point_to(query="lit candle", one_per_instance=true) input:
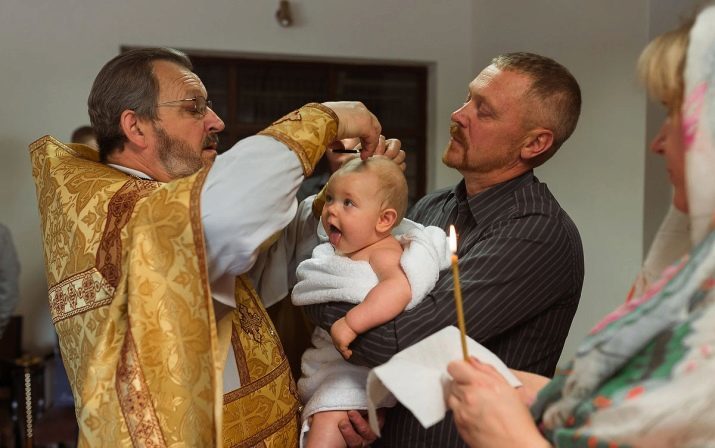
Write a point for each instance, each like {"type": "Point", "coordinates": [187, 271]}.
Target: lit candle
{"type": "Point", "coordinates": [458, 291]}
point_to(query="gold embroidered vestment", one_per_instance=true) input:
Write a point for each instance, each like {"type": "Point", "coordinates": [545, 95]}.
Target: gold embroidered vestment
{"type": "Point", "coordinates": [130, 300]}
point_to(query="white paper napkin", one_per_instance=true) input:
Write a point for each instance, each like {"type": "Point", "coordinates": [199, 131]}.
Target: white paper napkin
{"type": "Point", "coordinates": [418, 378]}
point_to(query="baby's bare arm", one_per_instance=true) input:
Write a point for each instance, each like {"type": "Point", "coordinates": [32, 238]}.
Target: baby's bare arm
{"type": "Point", "coordinates": [383, 303]}
{"type": "Point", "coordinates": [342, 336]}
{"type": "Point", "coordinates": [388, 298]}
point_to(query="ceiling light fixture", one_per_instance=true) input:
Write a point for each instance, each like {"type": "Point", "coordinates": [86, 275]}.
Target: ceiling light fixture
{"type": "Point", "coordinates": [283, 15]}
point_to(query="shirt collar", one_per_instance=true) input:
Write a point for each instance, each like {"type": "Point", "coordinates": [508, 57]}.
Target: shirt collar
{"type": "Point", "coordinates": [130, 171]}
{"type": "Point", "coordinates": [483, 203]}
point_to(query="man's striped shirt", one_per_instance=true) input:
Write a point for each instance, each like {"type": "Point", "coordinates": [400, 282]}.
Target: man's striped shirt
{"type": "Point", "coordinates": [521, 272]}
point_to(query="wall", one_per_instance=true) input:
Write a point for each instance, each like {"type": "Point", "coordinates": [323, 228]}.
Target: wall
{"type": "Point", "coordinates": [52, 50]}
{"type": "Point", "coordinates": [598, 174]}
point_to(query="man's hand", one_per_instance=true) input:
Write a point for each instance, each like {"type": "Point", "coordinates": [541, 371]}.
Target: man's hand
{"type": "Point", "coordinates": [390, 148]}
{"type": "Point", "coordinates": [356, 430]}
{"type": "Point", "coordinates": [342, 336]}
{"type": "Point", "coordinates": [354, 120]}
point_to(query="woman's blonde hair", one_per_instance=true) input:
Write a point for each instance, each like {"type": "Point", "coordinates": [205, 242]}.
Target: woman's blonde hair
{"type": "Point", "coordinates": [661, 65]}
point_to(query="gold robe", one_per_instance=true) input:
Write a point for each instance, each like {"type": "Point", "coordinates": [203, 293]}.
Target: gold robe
{"type": "Point", "coordinates": [130, 299]}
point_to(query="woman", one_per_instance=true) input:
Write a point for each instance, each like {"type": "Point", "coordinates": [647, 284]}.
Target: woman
{"type": "Point", "coordinates": [644, 376]}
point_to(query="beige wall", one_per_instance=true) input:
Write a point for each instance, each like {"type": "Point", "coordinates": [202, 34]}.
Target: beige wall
{"type": "Point", "coordinates": [52, 50]}
{"type": "Point", "coordinates": [598, 174]}
{"type": "Point", "coordinates": [613, 189]}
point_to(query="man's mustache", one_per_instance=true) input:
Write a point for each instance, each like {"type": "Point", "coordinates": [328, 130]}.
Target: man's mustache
{"type": "Point", "coordinates": [456, 132]}
{"type": "Point", "coordinates": [210, 140]}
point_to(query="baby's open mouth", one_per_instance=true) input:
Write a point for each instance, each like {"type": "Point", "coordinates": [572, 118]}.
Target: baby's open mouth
{"type": "Point", "coordinates": [334, 235]}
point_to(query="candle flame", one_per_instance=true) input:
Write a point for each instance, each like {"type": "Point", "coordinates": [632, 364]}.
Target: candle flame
{"type": "Point", "coordinates": [452, 239]}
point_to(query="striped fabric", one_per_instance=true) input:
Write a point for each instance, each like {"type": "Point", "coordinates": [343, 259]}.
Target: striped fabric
{"type": "Point", "coordinates": [521, 269]}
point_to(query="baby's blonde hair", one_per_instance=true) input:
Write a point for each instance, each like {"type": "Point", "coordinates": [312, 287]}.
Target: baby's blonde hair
{"type": "Point", "coordinates": [392, 182]}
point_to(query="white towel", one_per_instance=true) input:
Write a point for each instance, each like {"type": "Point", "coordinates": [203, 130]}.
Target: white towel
{"type": "Point", "coordinates": [328, 382]}
{"type": "Point", "coordinates": [329, 277]}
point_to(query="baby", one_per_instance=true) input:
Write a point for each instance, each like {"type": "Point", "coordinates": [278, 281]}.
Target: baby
{"type": "Point", "coordinates": [363, 263]}
{"type": "Point", "coordinates": [364, 201]}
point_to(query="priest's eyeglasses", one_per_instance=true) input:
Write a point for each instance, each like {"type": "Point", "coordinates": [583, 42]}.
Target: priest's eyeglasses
{"type": "Point", "coordinates": [199, 105]}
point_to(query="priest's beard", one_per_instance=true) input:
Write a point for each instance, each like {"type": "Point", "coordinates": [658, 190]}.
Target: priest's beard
{"type": "Point", "coordinates": [177, 157]}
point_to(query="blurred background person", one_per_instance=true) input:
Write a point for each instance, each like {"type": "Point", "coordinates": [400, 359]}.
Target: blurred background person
{"type": "Point", "coordinates": [333, 159]}
{"type": "Point", "coordinates": [9, 277]}
{"type": "Point", "coordinates": [86, 136]}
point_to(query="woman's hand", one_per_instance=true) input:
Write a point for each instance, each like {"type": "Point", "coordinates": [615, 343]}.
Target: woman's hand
{"type": "Point", "coordinates": [531, 385]}
{"type": "Point", "coordinates": [489, 412]}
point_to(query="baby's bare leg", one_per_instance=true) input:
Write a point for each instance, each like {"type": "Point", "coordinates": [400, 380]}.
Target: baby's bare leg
{"type": "Point", "coordinates": [324, 430]}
